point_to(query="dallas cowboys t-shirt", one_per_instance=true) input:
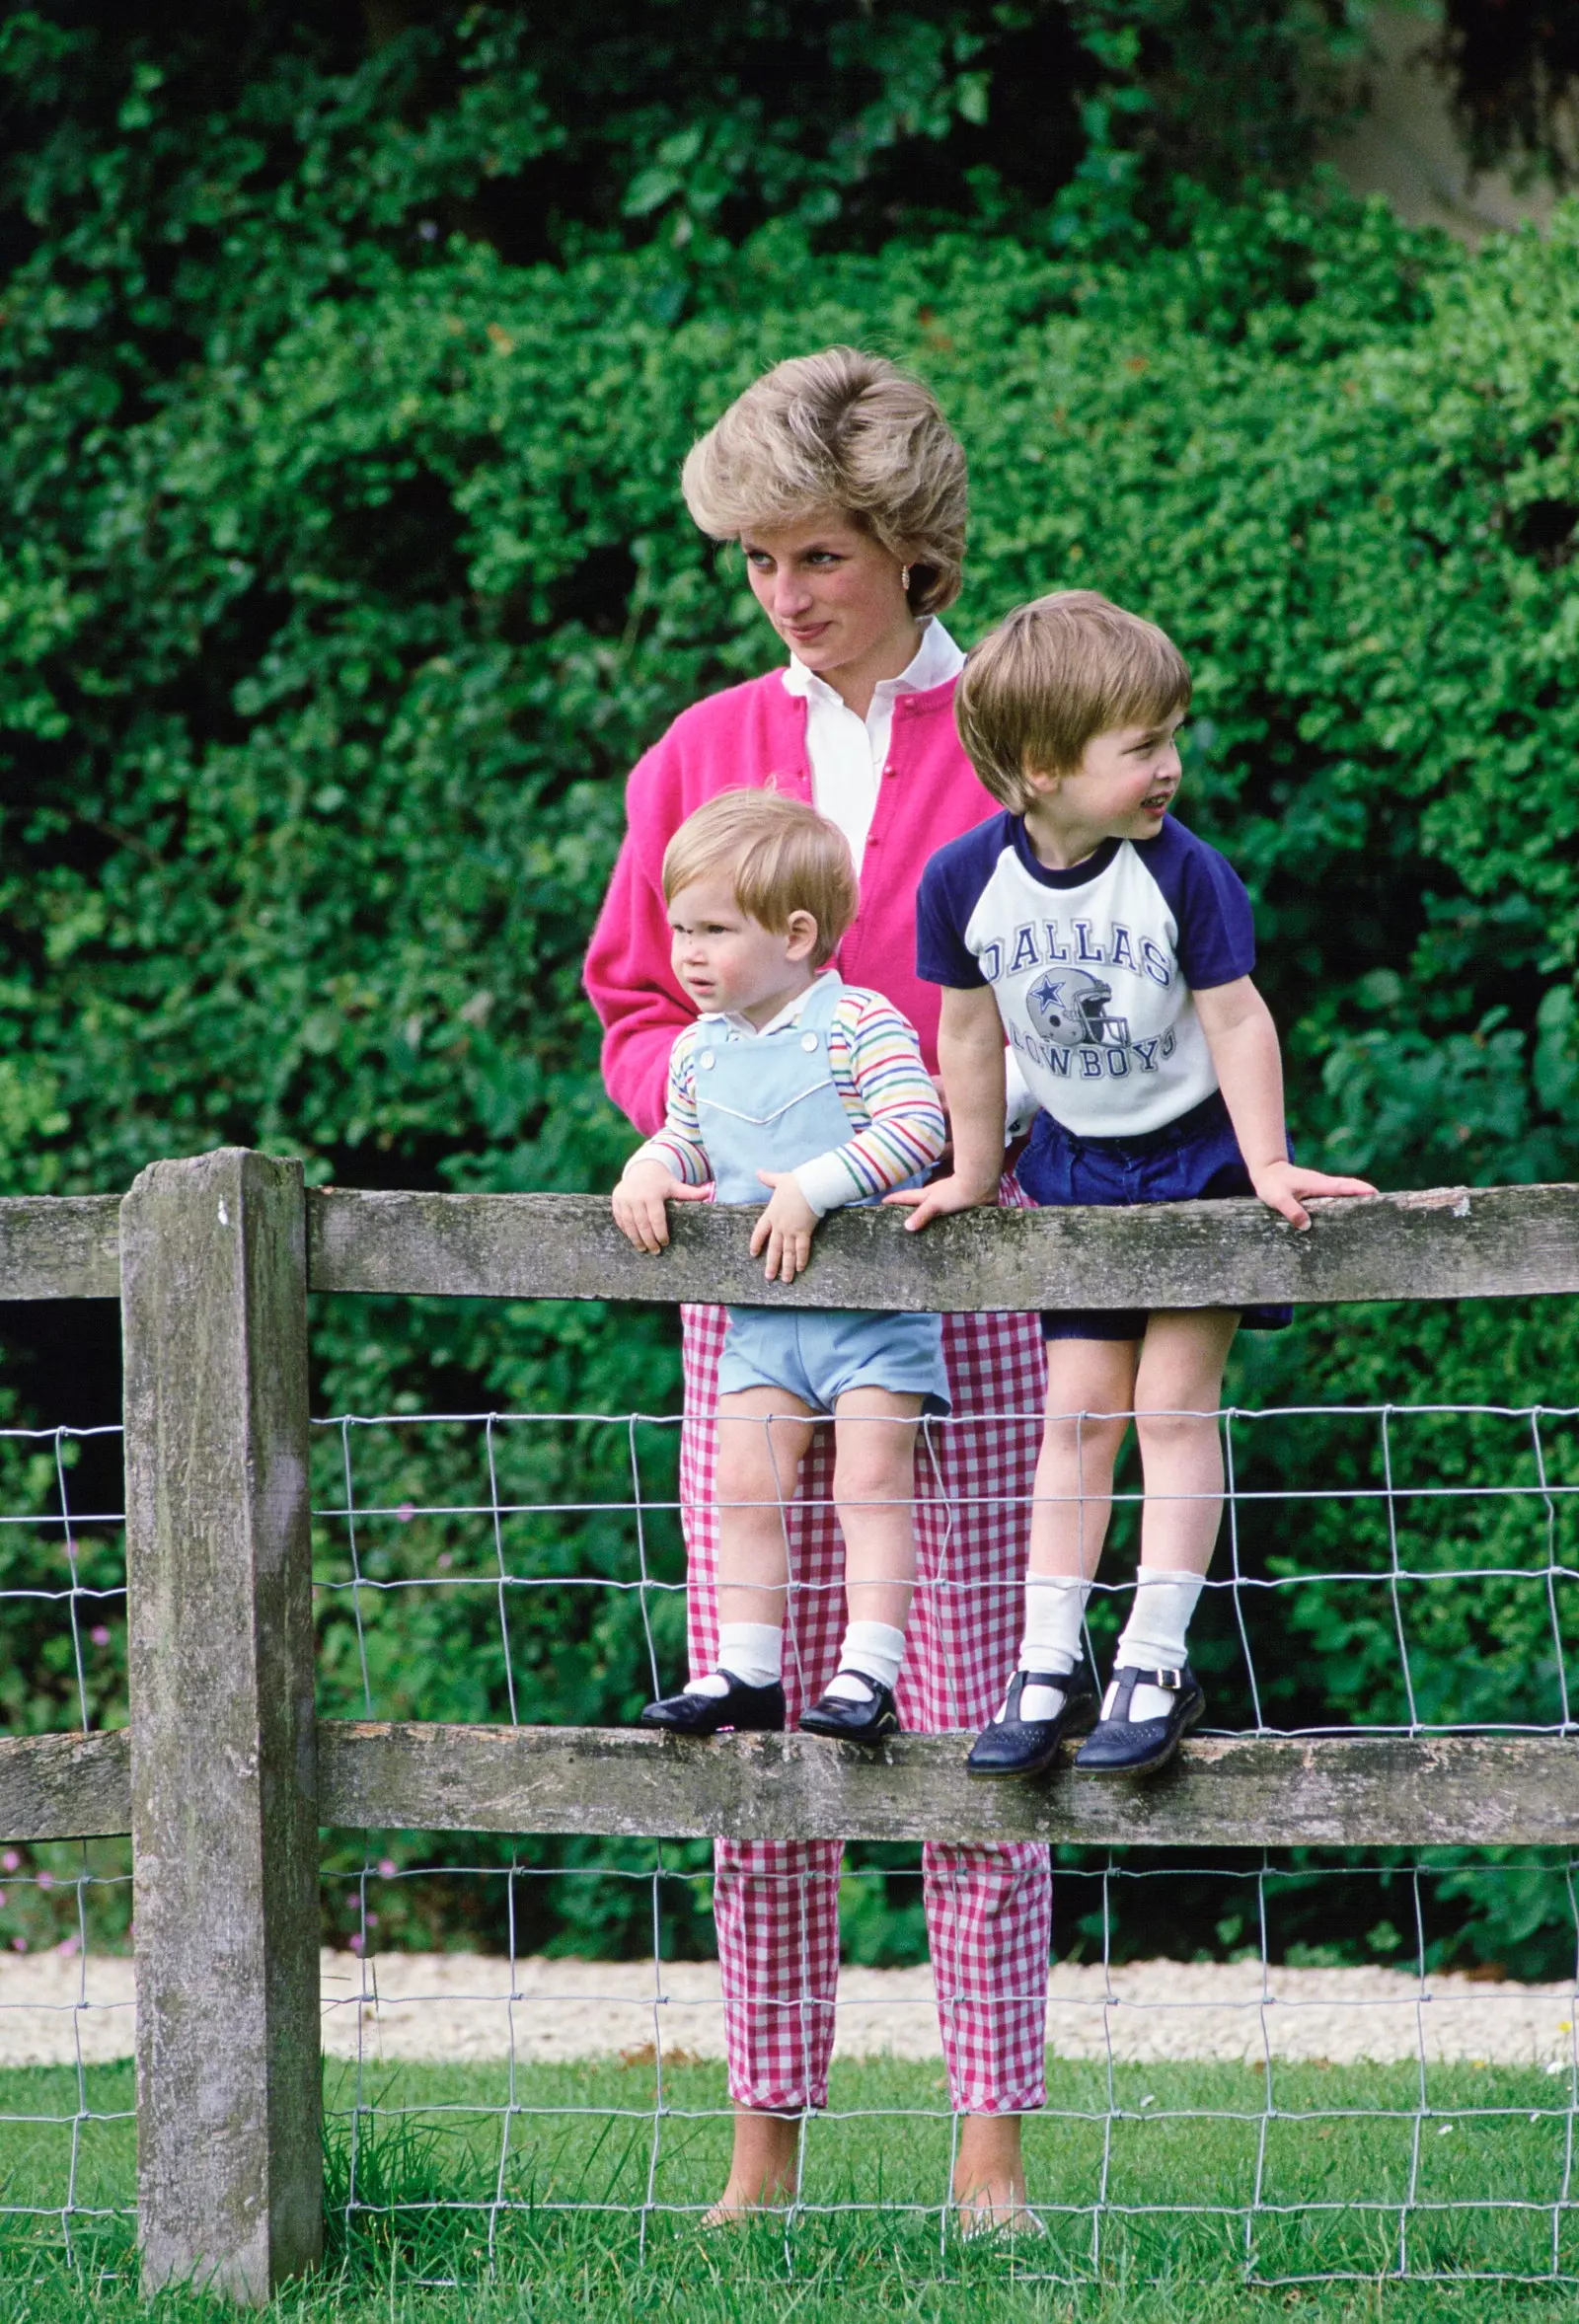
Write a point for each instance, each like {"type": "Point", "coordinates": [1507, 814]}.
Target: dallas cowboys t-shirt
{"type": "Point", "coordinates": [1092, 968]}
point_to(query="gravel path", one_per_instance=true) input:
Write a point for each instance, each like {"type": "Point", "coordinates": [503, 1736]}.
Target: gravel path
{"type": "Point", "coordinates": [457, 2005]}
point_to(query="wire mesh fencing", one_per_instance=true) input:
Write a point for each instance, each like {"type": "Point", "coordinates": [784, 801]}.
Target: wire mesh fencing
{"type": "Point", "coordinates": [1433, 1542]}
{"type": "Point", "coordinates": [1312, 2064]}
{"type": "Point", "coordinates": [1306, 2065]}
{"type": "Point", "coordinates": [67, 2118]}
{"type": "Point", "coordinates": [1297, 2117]}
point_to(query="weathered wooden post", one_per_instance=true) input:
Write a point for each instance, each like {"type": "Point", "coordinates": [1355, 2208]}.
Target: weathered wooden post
{"type": "Point", "coordinates": [224, 1813]}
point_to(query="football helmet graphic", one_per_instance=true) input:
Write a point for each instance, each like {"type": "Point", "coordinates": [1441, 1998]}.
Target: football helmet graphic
{"type": "Point", "coordinates": [1069, 1007]}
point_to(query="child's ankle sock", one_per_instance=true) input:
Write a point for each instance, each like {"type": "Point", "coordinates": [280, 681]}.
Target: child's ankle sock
{"type": "Point", "coordinates": [752, 1652]}
{"type": "Point", "coordinates": [869, 1650]}
{"type": "Point", "coordinates": [1055, 1609]}
{"type": "Point", "coordinates": [1156, 1634]}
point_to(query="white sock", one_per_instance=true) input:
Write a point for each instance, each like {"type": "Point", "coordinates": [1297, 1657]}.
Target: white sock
{"type": "Point", "coordinates": [752, 1652]}
{"type": "Point", "coordinates": [1156, 1634]}
{"type": "Point", "coordinates": [1055, 1608]}
{"type": "Point", "coordinates": [875, 1648]}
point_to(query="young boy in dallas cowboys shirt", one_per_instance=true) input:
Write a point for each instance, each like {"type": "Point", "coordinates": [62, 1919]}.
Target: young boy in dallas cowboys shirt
{"type": "Point", "coordinates": [1114, 951]}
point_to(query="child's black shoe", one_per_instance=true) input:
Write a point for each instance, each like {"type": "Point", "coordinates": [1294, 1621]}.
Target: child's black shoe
{"type": "Point", "coordinates": [873, 1721]}
{"type": "Point", "coordinates": [1122, 1746]}
{"type": "Point", "coordinates": [755, 1711]}
{"type": "Point", "coordinates": [1015, 1746]}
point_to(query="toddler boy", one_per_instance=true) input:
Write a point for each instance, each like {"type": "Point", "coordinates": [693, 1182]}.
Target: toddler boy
{"type": "Point", "coordinates": [794, 1081]}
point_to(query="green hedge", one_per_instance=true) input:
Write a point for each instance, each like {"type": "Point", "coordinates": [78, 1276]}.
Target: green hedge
{"type": "Point", "coordinates": [321, 657]}
{"type": "Point", "coordinates": [320, 673]}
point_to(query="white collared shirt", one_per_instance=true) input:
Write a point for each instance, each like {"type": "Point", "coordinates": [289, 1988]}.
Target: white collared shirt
{"type": "Point", "coordinates": [788, 1014]}
{"type": "Point", "coordinates": [848, 754]}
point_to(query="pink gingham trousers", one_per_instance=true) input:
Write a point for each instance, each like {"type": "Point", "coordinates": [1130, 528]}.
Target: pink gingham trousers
{"type": "Point", "coordinates": [989, 1909]}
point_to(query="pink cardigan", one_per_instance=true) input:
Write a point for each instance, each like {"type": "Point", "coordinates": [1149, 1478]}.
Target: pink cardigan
{"type": "Point", "coordinates": [930, 794]}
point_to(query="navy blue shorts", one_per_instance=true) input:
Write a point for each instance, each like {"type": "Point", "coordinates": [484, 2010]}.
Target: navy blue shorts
{"type": "Point", "coordinates": [1196, 1158]}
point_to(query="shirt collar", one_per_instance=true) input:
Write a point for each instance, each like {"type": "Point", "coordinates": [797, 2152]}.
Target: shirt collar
{"type": "Point", "coordinates": [788, 1016]}
{"type": "Point", "coordinates": [936, 660]}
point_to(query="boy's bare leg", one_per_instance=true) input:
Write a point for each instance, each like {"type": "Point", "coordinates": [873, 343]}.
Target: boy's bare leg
{"type": "Point", "coordinates": [874, 1492]}
{"type": "Point", "coordinates": [1177, 1390]}
{"type": "Point", "coordinates": [763, 2169]}
{"type": "Point", "coordinates": [1178, 1387]}
{"type": "Point", "coordinates": [764, 1435]}
{"type": "Point", "coordinates": [990, 2173]}
{"type": "Point", "coordinates": [1074, 1467]}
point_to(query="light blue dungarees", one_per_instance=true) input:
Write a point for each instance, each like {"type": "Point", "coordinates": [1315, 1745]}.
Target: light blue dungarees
{"type": "Point", "coordinates": [770, 1104]}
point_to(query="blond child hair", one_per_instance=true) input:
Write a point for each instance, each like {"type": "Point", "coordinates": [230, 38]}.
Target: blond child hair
{"type": "Point", "coordinates": [778, 855]}
{"type": "Point", "coordinates": [1053, 675]}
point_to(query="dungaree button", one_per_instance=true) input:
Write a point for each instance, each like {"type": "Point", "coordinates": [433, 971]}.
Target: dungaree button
{"type": "Point", "coordinates": [809, 1041]}
{"type": "Point", "coordinates": [707, 1059]}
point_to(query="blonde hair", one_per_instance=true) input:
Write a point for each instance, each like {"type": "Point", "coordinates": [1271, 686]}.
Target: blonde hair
{"type": "Point", "coordinates": [842, 432]}
{"type": "Point", "coordinates": [781, 855]}
{"type": "Point", "coordinates": [1057, 672]}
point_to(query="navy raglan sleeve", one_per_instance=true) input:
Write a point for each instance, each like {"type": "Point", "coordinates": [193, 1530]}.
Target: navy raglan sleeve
{"type": "Point", "coordinates": [1216, 926]}
{"type": "Point", "coordinates": [948, 897]}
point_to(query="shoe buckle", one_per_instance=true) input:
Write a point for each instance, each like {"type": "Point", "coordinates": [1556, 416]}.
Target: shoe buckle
{"type": "Point", "coordinates": [1172, 1681]}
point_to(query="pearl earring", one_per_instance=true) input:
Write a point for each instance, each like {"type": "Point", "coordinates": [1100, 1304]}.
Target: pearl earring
{"type": "Point", "coordinates": [904, 579]}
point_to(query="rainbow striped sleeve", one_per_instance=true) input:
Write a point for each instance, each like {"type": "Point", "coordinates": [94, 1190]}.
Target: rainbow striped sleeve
{"type": "Point", "coordinates": [887, 1093]}
{"type": "Point", "coordinates": [678, 1144]}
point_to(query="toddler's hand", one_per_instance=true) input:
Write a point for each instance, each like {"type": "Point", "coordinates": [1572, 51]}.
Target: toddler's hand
{"type": "Point", "coordinates": [638, 1202]}
{"type": "Point", "coordinates": [785, 1229]}
{"type": "Point", "coordinates": [926, 1203]}
{"type": "Point", "coordinates": [1281, 1185]}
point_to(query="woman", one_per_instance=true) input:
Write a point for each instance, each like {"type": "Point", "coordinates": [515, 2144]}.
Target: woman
{"type": "Point", "coordinates": [846, 489]}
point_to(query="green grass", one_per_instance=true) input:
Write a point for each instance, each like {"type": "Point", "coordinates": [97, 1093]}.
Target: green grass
{"type": "Point", "coordinates": [576, 2162]}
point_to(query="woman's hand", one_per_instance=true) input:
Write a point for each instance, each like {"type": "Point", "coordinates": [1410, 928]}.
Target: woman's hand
{"type": "Point", "coordinates": [785, 1229]}
{"type": "Point", "coordinates": [1281, 1185]}
{"type": "Point", "coordinates": [638, 1202]}
{"type": "Point", "coordinates": [944, 1196]}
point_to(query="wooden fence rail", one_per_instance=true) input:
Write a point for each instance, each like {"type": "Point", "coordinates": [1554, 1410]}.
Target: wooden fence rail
{"type": "Point", "coordinates": [226, 1775]}
{"type": "Point", "coordinates": [623, 1782]}
{"type": "Point", "coordinates": [1449, 1243]}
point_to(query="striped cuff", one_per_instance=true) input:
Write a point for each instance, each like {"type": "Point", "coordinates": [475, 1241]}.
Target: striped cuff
{"type": "Point", "coordinates": [826, 1183]}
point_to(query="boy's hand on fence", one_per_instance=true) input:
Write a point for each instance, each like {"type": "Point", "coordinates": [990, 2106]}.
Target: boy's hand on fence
{"type": "Point", "coordinates": [785, 1229]}
{"type": "Point", "coordinates": [953, 1193]}
{"type": "Point", "coordinates": [638, 1202]}
{"type": "Point", "coordinates": [1281, 1185]}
